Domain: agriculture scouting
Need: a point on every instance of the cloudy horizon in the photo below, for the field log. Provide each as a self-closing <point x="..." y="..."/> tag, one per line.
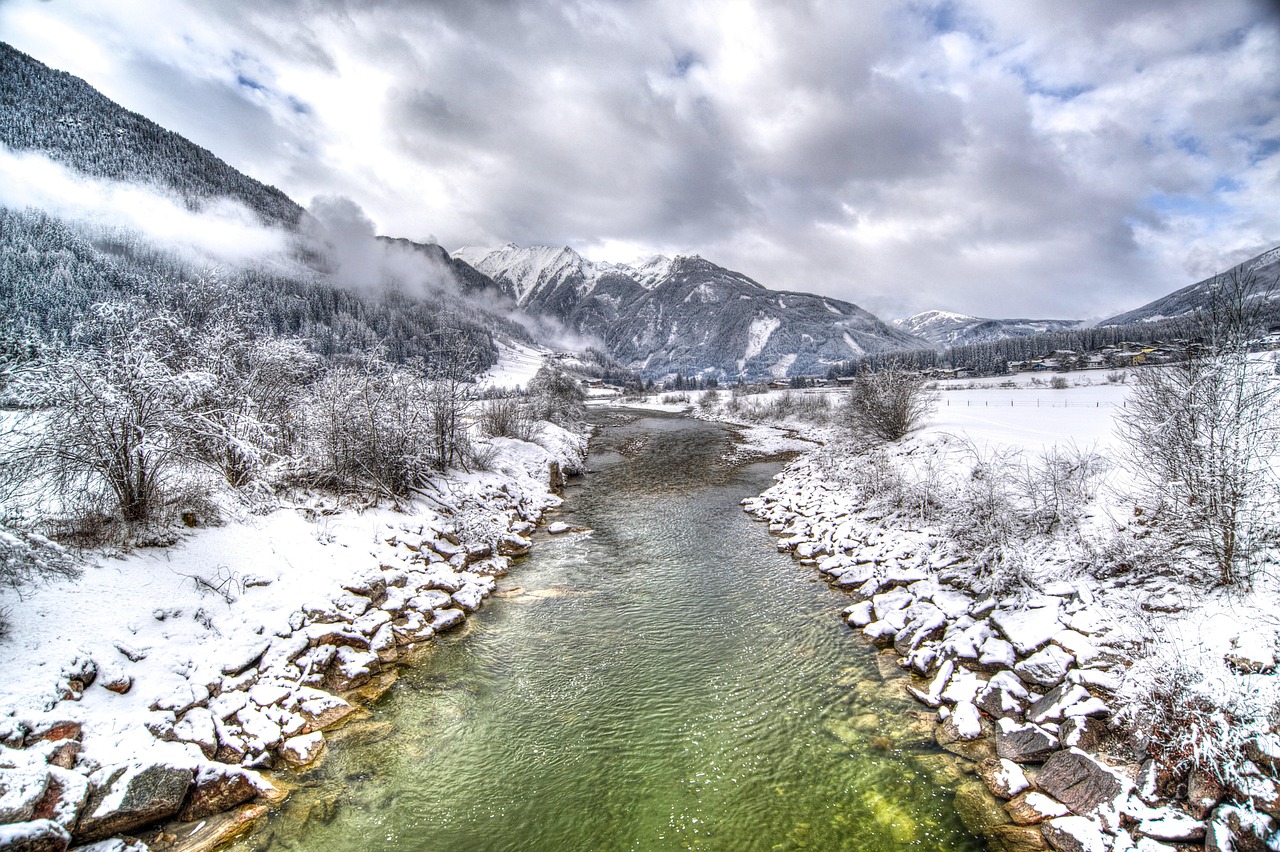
<point x="996" y="159"/>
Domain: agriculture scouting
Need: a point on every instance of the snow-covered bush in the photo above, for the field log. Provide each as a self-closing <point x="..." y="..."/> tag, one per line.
<point x="507" y="417"/>
<point x="886" y="404"/>
<point x="558" y="397"/>
<point x="1202" y="433"/>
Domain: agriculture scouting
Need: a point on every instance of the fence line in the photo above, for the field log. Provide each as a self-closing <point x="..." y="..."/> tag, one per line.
<point x="1036" y="403"/>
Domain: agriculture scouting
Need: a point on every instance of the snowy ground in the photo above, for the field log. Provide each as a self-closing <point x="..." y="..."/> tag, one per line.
<point x="227" y="647"/>
<point x="517" y="364"/>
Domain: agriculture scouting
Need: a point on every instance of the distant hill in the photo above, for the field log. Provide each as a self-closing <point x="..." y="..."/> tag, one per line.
<point x="943" y="329"/>
<point x="1265" y="268"/>
<point x="66" y="119"/>
<point x="686" y="314"/>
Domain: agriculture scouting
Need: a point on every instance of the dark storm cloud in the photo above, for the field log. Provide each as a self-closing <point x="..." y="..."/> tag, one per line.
<point x="976" y="155"/>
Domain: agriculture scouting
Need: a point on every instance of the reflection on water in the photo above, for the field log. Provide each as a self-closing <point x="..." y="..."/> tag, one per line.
<point x="666" y="681"/>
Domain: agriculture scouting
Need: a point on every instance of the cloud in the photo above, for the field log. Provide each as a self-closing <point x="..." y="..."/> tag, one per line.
<point x="223" y="231"/>
<point x="989" y="157"/>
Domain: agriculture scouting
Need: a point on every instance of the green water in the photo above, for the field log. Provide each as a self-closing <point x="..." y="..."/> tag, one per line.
<point x="666" y="681"/>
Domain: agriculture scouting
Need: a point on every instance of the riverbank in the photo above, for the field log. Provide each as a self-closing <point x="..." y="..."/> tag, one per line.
<point x="1103" y="694"/>
<point x="156" y="685"/>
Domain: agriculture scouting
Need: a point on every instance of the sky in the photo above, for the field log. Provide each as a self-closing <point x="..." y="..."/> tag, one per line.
<point x="1022" y="158"/>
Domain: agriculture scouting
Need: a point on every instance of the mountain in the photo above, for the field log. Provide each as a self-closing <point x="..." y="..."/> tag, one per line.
<point x="1265" y="268"/>
<point x="943" y="329"/>
<point x="67" y="120"/>
<point x="686" y="314"/>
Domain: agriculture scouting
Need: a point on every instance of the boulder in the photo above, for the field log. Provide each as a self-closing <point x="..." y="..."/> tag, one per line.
<point x="64" y="798"/>
<point x="302" y="749"/>
<point x="996" y="654"/>
<point x="1073" y="834"/>
<point x="859" y="615"/>
<point x="1204" y="792"/>
<point x="447" y="618"/>
<point x="1235" y="829"/>
<point x="23" y="782"/>
<point x="1047" y="667"/>
<point x="1082" y="732"/>
<point x="1082" y="783"/>
<point x="1016" y="838"/>
<point x="1004" y="696"/>
<point x="218" y="788"/>
<point x="1028" y="630"/>
<point x="978" y="809"/>
<point x="1003" y="778"/>
<point x="52" y="730"/>
<point x="1033" y="808"/>
<point x="39" y="835"/>
<point x="122" y="798"/>
<point x="1053" y="705"/>
<point x="1172" y="827"/>
<point x="1025" y="742"/>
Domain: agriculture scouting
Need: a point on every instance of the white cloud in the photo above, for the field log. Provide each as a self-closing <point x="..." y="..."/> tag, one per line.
<point x="983" y="156"/>
<point x="223" y="231"/>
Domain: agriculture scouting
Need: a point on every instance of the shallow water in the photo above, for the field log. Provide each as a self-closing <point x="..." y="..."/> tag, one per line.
<point x="665" y="681"/>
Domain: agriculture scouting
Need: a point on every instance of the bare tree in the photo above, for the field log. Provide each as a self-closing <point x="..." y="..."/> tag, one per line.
<point x="886" y="404"/>
<point x="1202" y="432"/>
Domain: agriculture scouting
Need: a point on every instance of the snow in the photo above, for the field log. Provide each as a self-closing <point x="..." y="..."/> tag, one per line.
<point x="517" y="364"/>
<point x="758" y="334"/>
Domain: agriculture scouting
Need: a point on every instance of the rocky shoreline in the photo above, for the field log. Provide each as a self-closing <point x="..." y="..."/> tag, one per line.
<point x="1023" y="690"/>
<point x="198" y="780"/>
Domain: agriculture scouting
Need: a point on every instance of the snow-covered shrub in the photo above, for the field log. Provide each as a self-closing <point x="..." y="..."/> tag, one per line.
<point x="1057" y="484"/>
<point x="1193" y="711"/>
<point x="369" y="430"/>
<point x="556" y="396"/>
<point x="507" y="418"/>
<point x="1058" y="383"/>
<point x="1203" y="433"/>
<point x="710" y="399"/>
<point x="886" y="404"/>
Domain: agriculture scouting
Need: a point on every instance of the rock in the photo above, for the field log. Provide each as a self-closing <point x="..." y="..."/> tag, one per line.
<point x="558" y="527"/>
<point x="924" y="622"/>
<point x="1052" y="706"/>
<point x="323" y="712"/>
<point x="978" y="809"/>
<point x="1073" y="834"/>
<point x="302" y="749"/>
<point x="1032" y="808"/>
<point x="351" y="668"/>
<point x="123" y="798"/>
<point x="859" y="615"/>
<point x="51" y="731"/>
<point x="1237" y="829"/>
<point x="1082" y="783"/>
<point x="1047" y="667"/>
<point x="469" y="598"/>
<point x="40" y="835"/>
<point x="963" y="686"/>
<point x="63" y="798"/>
<point x="514" y="544"/>
<point x="1015" y="838"/>
<point x="1024" y="743"/>
<point x="891" y="601"/>
<point x="447" y="618"/>
<point x="948" y="736"/>
<point x="1082" y="732"/>
<point x="1173" y="827"/>
<point x="218" y="788"/>
<point x="1264" y="750"/>
<point x="1028" y="630"/>
<point x="881" y="633"/>
<point x="23" y="782"/>
<point x="996" y="654"/>
<point x="197" y="726"/>
<point x="1003" y="778"/>
<point x="1004" y="696"/>
<point x="1253" y="652"/>
<point x="1204" y="792"/>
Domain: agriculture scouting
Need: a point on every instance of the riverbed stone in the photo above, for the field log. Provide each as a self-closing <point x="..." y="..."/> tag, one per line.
<point x="40" y="835"/>
<point x="123" y="798"/>
<point x="1047" y="667"/>
<point x="1016" y="838"/>
<point x="1024" y="742"/>
<point x="216" y="788"/>
<point x="1004" y="696"/>
<point x="1028" y="630"/>
<point x="1235" y="829"/>
<point x="1052" y="706"/>
<point x="1082" y="783"/>
<point x="1073" y="834"/>
<point x="1032" y="808"/>
<point x="977" y="808"/>
<point x="1003" y="778"/>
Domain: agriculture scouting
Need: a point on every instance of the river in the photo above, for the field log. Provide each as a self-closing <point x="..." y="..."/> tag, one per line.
<point x="664" y="681"/>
